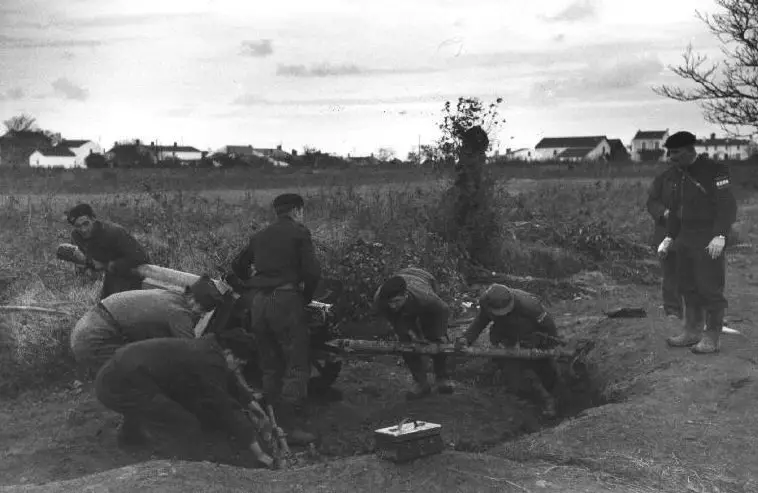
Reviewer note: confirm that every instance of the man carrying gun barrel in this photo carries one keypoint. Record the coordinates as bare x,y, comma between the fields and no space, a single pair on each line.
409,301
108,247
169,390
518,319
286,274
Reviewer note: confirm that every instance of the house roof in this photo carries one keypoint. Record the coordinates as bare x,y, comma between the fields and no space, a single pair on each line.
576,152
650,134
175,148
73,143
58,151
723,142
570,142
244,150
617,145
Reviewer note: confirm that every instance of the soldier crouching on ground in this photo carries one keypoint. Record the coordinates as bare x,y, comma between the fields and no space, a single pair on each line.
132,316
518,319
286,275
409,301
704,211
108,247
170,390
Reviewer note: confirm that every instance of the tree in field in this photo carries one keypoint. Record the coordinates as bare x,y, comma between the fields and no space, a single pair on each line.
385,154
468,113
21,123
727,91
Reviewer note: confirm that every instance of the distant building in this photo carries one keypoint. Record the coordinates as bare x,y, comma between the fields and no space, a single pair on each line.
591,148
81,149
184,154
363,160
647,145
17,146
522,154
55,157
721,149
619,152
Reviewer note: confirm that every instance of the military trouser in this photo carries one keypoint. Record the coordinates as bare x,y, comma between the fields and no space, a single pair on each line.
113,283
672,297
95,339
407,326
278,322
701,278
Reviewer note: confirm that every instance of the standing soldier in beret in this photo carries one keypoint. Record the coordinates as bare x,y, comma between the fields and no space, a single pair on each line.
518,319
108,247
660,203
286,274
132,316
409,301
699,225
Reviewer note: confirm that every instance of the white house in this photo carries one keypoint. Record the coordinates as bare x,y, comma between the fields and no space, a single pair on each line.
81,149
647,145
590,148
56,157
720,149
522,154
180,153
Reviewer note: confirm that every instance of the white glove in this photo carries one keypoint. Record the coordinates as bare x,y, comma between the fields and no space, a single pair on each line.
716,246
663,248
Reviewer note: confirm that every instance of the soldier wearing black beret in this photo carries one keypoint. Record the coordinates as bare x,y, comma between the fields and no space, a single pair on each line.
704,210
284,277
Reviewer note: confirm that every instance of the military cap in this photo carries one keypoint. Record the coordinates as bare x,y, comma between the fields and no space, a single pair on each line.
497,300
680,139
286,202
78,211
206,293
392,287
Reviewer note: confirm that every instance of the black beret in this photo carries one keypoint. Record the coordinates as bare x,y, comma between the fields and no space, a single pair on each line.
78,211
475,138
394,286
206,293
680,139
287,201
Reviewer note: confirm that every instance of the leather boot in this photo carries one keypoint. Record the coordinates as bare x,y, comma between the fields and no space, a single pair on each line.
421,387
710,341
693,327
442,382
291,419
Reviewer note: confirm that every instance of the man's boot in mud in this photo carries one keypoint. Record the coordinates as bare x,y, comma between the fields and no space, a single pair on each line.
693,327
421,387
291,418
710,342
442,382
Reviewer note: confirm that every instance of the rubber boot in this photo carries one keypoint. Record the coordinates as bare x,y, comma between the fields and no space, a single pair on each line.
693,327
421,387
710,341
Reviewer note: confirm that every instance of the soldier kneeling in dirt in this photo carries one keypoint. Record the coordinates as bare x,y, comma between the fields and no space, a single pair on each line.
409,301
170,390
132,316
518,319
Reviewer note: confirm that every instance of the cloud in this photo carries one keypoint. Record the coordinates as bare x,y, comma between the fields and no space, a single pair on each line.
14,42
69,90
13,94
579,10
257,49
321,70
255,100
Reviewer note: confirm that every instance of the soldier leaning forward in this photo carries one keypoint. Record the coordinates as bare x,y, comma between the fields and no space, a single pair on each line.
132,316
409,301
170,390
704,211
108,247
660,203
518,319
286,274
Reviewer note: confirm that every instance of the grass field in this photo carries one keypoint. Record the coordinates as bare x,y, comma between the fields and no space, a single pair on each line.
584,227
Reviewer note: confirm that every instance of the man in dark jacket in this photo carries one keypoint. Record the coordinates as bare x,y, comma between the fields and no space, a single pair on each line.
518,319
285,275
703,214
108,247
409,301
660,202
132,316
169,390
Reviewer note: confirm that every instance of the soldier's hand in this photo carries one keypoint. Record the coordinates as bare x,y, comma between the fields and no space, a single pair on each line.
716,246
461,343
666,214
98,265
663,248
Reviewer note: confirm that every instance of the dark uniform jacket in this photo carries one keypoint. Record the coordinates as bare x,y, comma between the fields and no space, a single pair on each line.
192,372
660,198
423,308
282,253
704,205
528,324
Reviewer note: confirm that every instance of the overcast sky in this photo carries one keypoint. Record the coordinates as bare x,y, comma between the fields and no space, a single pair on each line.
346,76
